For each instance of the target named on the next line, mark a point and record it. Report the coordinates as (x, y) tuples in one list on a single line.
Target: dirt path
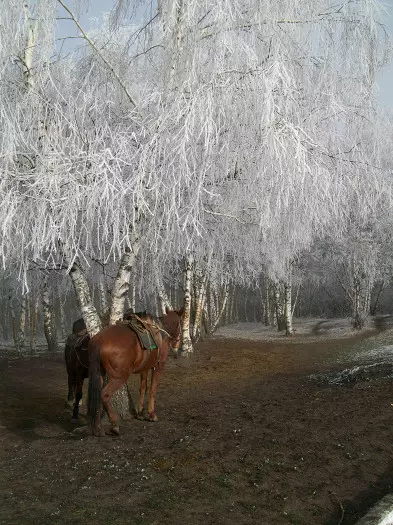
[(244, 437)]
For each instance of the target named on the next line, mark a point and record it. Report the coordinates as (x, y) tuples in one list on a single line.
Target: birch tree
[(229, 118)]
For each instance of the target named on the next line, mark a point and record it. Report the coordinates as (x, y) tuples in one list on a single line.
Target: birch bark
[(23, 321), (33, 325), (216, 320), (187, 345), (288, 303), (163, 298), (49, 321), (84, 299), (122, 282), (199, 305)]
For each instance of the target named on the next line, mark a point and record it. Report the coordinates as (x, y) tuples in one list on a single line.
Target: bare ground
[(249, 432)]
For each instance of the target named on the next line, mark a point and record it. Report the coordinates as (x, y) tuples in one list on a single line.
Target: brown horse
[(116, 351), (77, 360)]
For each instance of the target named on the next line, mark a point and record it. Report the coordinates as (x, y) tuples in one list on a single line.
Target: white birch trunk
[(62, 320), (231, 304), (214, 324), (278, 307), (31, 40), (84, 299), (121, 285), (186, 338), (33, 325), (121, 400), (288, 305), (163, 298), (49, 324), (199, 305), (266, 304), (104, 305), (178, 42), (22, 322)]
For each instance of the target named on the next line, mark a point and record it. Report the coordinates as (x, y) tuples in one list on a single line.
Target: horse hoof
[(74, 420), (140, 416), (99, 432), (151, 417), (115, 430)]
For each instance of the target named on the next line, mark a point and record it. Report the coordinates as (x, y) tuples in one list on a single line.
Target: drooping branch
[(102, 57)]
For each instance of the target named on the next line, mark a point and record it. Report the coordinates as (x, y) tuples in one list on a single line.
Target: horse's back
[(120, 350)]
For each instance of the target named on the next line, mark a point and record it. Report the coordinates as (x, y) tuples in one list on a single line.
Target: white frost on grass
[(372, 356), (305, 329)]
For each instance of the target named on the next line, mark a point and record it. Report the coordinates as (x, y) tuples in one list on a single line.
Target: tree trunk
[(84, 299), (14, 326), (374, 305), (22, 322), (288, 302), (31, 40), (121, 399), (104, 306), (121, 285), (163, 298), (132, 293), (278, 307), (62, 319), (357, 317), (33, 325), (231, 305), (200, 297), (267, 305), (49, 324), (186, 338), (214, 323)]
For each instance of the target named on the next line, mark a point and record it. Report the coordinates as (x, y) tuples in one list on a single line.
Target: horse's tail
[(94, 395)]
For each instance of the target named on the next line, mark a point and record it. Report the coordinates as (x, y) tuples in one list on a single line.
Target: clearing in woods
[(249, 431)]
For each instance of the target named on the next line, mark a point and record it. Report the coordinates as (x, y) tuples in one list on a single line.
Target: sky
[(94, 17)]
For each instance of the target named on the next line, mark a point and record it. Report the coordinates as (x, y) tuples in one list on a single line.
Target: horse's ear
[(167, 310)]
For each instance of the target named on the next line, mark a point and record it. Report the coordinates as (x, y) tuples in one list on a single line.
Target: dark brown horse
[(116, 351), (77, 363)]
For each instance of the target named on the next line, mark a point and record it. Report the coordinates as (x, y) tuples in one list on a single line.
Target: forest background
[(231, 156)]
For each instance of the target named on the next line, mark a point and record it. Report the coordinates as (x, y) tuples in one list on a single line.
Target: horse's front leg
[(142, 392), (155, 376), (78, 397)]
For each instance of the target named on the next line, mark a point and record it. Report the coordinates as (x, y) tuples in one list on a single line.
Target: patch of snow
[(306, 327)]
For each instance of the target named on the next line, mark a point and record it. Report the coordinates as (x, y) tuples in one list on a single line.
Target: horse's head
[(171, 323)]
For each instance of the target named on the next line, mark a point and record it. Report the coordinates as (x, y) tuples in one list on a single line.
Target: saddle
[(147, 333)]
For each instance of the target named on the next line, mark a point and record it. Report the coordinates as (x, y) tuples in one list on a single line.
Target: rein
[(153, 325), (77, 355)]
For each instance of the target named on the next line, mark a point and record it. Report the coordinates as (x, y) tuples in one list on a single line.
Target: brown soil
[(244, 437)]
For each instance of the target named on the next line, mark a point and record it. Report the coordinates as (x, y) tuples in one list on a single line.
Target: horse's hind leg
[(71, 390), (78, 397), (142, 392), (155, 375), (109, 389)]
